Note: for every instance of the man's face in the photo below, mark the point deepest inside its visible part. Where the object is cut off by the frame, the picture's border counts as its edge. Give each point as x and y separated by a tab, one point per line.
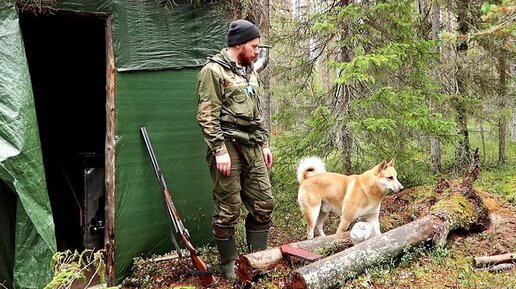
248	52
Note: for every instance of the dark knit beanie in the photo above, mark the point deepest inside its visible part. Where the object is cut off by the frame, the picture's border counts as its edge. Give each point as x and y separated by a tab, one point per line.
240	31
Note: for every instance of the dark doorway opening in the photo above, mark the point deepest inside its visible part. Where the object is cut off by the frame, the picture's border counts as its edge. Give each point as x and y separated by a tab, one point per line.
66	54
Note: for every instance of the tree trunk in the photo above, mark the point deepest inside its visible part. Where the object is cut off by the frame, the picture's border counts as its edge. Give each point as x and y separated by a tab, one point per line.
513	129
462	154
502	121
482	139
253	264
435	155
264	24
462	209
344	98
435	143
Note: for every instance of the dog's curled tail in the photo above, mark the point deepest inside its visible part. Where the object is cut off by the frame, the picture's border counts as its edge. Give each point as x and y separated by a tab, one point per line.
308	167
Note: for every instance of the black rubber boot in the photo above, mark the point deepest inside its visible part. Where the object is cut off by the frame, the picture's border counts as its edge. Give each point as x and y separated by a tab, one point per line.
227	254
257	240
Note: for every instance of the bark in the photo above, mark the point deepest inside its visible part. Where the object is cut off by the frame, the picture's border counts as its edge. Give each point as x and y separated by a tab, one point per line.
435	155
494	260
264	24
435	143
252	265
513	129
462	154
109	235
502	87
462	209
329	271
344	98
501	267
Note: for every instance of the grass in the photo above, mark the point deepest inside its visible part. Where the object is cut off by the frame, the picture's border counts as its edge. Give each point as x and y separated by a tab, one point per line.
500	181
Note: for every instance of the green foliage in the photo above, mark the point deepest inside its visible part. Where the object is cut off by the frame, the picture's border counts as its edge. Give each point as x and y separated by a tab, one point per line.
70	266
501	15
440	253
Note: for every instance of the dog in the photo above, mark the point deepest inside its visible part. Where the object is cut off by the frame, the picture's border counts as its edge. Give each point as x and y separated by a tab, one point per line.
349	196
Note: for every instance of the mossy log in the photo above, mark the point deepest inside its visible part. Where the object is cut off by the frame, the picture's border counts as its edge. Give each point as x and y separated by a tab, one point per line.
253	264
461	209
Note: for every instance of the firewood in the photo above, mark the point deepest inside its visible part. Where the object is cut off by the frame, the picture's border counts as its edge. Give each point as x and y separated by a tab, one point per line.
501	267
485	261
253	264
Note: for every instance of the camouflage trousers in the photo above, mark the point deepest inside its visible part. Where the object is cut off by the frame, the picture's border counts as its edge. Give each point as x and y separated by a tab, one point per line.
248	183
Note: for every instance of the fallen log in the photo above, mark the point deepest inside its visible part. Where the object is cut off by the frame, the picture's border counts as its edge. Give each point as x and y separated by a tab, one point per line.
462	208
500	267
254	264
486	261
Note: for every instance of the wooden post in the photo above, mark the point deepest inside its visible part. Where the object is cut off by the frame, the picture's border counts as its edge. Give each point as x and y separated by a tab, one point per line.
109	237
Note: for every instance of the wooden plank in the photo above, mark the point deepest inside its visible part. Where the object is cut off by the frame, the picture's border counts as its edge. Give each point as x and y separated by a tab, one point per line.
299	253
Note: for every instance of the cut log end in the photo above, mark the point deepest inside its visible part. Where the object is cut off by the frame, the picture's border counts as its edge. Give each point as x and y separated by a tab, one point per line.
244	270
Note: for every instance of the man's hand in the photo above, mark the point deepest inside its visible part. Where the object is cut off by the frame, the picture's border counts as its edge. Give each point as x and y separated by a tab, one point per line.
223	164
267	157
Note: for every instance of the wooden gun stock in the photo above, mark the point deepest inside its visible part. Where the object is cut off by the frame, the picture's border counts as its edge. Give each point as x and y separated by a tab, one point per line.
204	272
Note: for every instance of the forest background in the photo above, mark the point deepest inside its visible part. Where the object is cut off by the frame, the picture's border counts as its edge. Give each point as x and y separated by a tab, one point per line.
426	82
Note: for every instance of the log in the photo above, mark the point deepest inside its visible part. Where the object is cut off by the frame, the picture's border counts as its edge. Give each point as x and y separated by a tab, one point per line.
463	208
486	261
501	267
346	264
254	264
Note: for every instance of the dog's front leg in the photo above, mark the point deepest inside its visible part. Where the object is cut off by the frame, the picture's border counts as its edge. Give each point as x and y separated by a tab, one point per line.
345	221
373	220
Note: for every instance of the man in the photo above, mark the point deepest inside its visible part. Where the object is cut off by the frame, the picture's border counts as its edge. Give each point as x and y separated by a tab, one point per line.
238	154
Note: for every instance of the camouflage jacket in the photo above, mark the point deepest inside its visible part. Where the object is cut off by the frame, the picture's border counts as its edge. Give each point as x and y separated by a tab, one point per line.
229	104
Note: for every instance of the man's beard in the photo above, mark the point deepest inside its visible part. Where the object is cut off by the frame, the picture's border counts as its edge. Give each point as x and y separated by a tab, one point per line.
245	61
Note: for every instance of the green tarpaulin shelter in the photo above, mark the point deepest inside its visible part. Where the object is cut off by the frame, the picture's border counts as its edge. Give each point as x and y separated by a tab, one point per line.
78	79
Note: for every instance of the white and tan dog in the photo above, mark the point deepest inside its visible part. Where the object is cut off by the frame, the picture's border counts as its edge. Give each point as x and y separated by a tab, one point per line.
351	197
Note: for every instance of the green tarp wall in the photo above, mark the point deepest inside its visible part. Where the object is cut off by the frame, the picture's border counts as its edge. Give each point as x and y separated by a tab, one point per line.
158	52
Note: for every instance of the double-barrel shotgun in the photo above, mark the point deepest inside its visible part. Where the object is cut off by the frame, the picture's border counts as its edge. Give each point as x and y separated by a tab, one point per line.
202	270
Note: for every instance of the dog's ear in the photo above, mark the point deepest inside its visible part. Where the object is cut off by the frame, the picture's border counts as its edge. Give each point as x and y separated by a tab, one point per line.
381	166
391	163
